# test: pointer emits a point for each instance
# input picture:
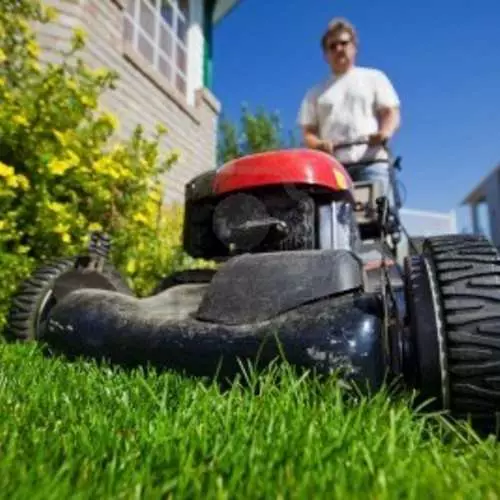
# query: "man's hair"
(338, 25)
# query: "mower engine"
(268, 202)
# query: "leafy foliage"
(257, 132)
(63, 173)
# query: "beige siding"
(141, 97)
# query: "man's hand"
(327, 146)
(312, 140)
(378, 139)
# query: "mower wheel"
(35, 298)
(453, 294)
(185, 277)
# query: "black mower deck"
(308, 306)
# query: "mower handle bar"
(363, 141)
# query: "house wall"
(142, 96)
(493, 202)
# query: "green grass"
(73, 430)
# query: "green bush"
(148, 261)
(256, 132)
(62, 171)
(13, 269)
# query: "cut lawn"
(75, 430)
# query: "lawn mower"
(308, 271)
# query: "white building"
(486, 194)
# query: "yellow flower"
(140, 218)
(22, 182)
(61, 228)
(71, 84)
(34, 66)
(56, 207)
(58, 167)
(11, 181)
(155, 195)
(100, 73)
(107, 166)
(6, 171)
(60, 137)
(3, 57)
(33, 48)
(151, 206)
(51, 13)
(95, 226)
(131, 266)
(110, 120)
(3, 225)
(66, 237)
(88, 101)
(161, 129)
(79, 37)
(20, 120)
(73, 158)
(23, 24)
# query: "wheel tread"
(467, 271)
(25, 302)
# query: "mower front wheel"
(453, 297)
(35, 297)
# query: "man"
(353, 103)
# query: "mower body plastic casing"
(275, 201)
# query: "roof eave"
(478, 194)
(222, 9)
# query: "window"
(157, 29)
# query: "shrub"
(62, 171)
(256, 132)
(152, 258)
(13, 269)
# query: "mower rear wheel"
(34, 298)
(454, 308)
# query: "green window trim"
(208, 44)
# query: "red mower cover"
(293, 166)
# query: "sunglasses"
(343, 43)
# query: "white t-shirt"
(344, 109)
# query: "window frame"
(136, 30)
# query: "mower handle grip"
(363, 141)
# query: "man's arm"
(387, 105)
(308, 121)
(389, 120)
(312, 140)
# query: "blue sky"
(443, 58)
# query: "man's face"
(340, 51)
